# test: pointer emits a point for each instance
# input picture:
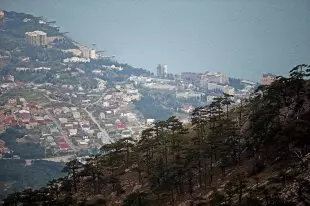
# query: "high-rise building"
(162, 70)
(88, 53)
(268, 79)
(38, 38)
(92, 54)
(2, 15)
(85, 52)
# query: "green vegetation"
(24, 150)
(151, 108)
(64, 44)
(16, 176)
(256, 154)
(16, 27)
(235, 83)
(26, 93)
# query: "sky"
(243, 38)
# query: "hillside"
(255, 154)
(17, 53)
(31, 66)
(16, 175)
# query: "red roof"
(120, 126)
(64, 145)
(9, 118)
(62, 140)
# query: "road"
(102, 96)
(66, 158)
(72, 146)
(106, 138)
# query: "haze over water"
(243, 38)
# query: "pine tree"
(72, 168)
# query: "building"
(75, 52)
(92, 54)
(202, 79)
(214, 86)
(24, 116)
(9, 78)
(37, 38)
(191, 77)
(88, 53)
(162, 70)
(85, 52)
(213, 77)
(2, 16)
(187, 108)
(189, 95)
(268, 79)
(150, 122)
(229, 90)
(63, 145)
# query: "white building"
(150, 121)
(63, 120)
(75, 52)
(229, 90)
(85, 52)
(213, 77)
(162, 70)
(189, 95)
(92, 54)
(72, 132)
(36, 38)
(215, 86)
(102, 115)
(76, 115)
(76, 59)
(105, 104)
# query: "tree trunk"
(74, 179)
(211, 165)
(199, 172)
(94, 182)
(99, 183)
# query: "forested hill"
(256, 154)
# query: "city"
(77, 127)
(68, 118)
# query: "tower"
(162, 70)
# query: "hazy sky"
(243, 38)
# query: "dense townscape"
(66, 104)
(73, 98)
